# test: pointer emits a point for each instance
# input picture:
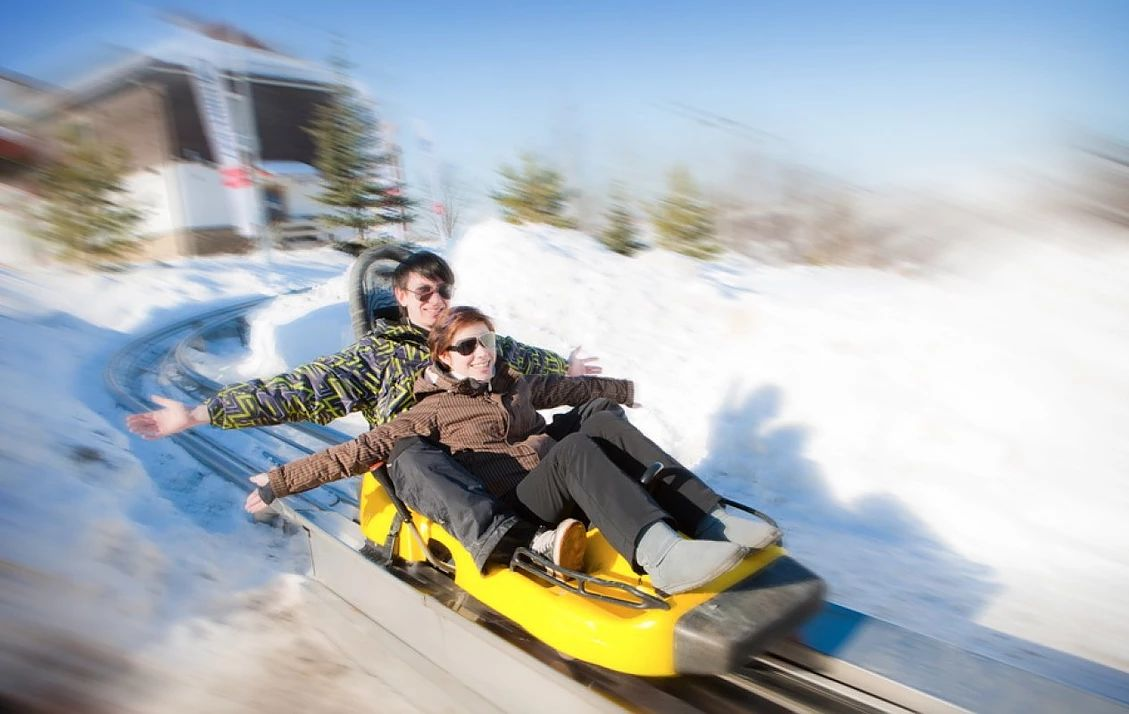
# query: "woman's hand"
(578, 366)
(254, 502)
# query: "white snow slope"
(946, 451)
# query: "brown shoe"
(565, 545)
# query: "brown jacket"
(496, 434)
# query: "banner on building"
(211, 95)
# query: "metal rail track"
(465, 642)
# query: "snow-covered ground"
(946, 450)
(130, 580)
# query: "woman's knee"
(605, 417)
(571, 452)
(603, 406)
(605, 423)
(576, 441)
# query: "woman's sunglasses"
(467, 347)
(424, 294)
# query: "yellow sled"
(608, 614)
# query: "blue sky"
(874, 92)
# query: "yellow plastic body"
(621, 638)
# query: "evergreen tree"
(85, 212)
(344, 132)
(619, 234)
(535, 194)
(683, 219)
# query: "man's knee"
(414, 457)
(414, 445)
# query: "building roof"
(19, 96)
(186, 51)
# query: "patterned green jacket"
(374, 376)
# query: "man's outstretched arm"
(531, 360)
(319, 391)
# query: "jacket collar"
(436, 379)
(399, 329)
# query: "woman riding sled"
(485, 413)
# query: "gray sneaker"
(691, 564)
(752, 533)
(565, 545)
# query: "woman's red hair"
(443, 331)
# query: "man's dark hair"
(425, 263)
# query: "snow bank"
(117, 553)
(947, 451)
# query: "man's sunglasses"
(424, 294)
(467, 347)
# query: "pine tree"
(619, 234)
(85, 212)
(344, 132)
(683, 219)
(535, 194)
